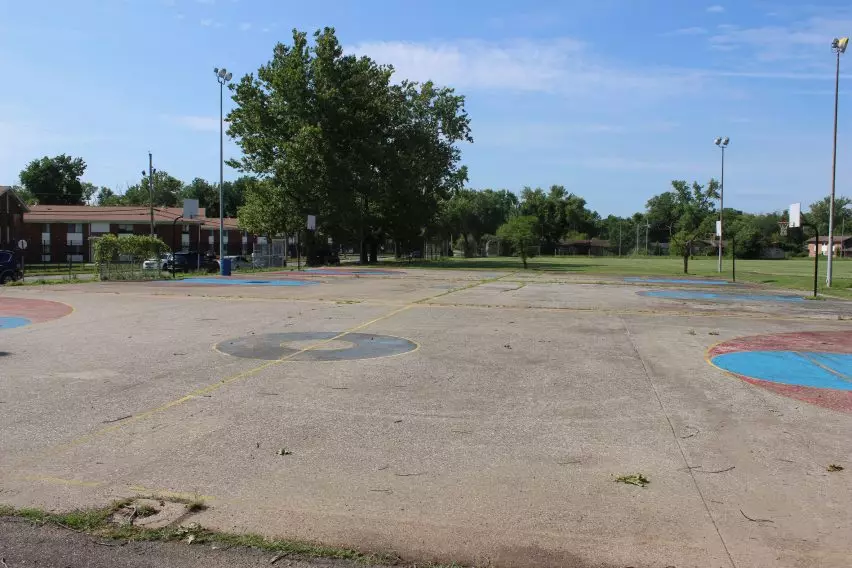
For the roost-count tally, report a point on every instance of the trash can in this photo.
(225, 266)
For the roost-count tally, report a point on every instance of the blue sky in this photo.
(612, 99)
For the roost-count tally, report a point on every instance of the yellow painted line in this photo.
(227, 380)
(834, 372)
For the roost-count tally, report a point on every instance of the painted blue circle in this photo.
(696, 295)
(10, 322)
(679, 281)
(801, 368)
(239, 282)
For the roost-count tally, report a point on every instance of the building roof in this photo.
(103, 214)
(4, 189)
(837, 239)
(231, 224)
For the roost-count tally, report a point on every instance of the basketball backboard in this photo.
(795, 215)
(190, 208)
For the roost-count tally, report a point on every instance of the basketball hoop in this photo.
(783, 225)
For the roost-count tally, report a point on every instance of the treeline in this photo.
(332, 135)
(56, 181)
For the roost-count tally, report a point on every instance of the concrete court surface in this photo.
(496, 442)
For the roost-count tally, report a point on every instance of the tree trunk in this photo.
(374, 250)
(686, 253)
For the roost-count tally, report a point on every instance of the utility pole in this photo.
(637, 239)
(619, 239)
(151, 171)
(647, 226)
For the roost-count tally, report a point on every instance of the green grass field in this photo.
(793, 274)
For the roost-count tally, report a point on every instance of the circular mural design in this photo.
(20, 312)
(814, 367)
(320, 346)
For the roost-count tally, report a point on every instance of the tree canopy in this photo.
(56, 181)
(339, 140)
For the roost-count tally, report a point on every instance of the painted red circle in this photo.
(799, 342)
(34, 310)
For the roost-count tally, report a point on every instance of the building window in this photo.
(125, 229)
(45, 229)
(185, 229)
(75, 227)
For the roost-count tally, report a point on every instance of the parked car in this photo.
(157, 263)
(10, 267)
(191, 261)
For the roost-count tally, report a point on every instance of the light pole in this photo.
(721, 143)
(838, 46)
(150, 174)
(222, 76)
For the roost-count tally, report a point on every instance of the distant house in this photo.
(12, 209)
(584, 247)
(841, 246)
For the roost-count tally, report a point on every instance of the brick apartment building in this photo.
(842, 246)
(62, 233)
(12, 210)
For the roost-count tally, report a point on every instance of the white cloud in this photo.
(563, 66)
(691, 31)
(796, 48)
(200, 123)
(715, 9)
(245, 26)
(207, 22)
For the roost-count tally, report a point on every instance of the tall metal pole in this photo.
(830, 264)
(637, 239)
(221, 178)
(647, 226)
(151, 190)
(222, 77)
(619, 240)
(721, 206)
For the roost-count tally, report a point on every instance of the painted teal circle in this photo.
(10, 322)
(240, 282)
(679, 281)
(696, 295)
(799, 368)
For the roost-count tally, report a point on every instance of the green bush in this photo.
(109, 250)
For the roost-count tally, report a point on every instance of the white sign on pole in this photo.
(22, 244)
(718, 228)
(312, 222)
(190, 208)
(795, 215)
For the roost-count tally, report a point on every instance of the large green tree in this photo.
(340, 141)
(56, 181)
(167, 191)
(819, 213)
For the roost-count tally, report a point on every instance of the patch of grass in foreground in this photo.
(98, 523)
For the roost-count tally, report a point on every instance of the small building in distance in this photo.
(841, 246)
(12, 210)
(65, 233)
(584, 247)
